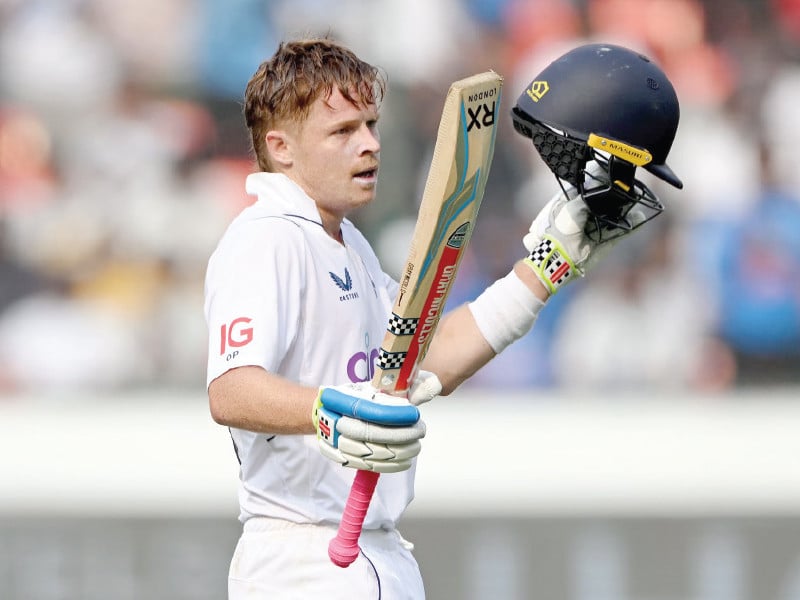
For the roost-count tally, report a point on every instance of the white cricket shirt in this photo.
(283, 295)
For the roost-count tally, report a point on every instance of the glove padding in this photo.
(362, 428)
(558, 243)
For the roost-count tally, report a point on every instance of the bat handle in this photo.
(343, 549)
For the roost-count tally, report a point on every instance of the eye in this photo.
(343, 130)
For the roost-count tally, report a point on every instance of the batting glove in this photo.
(425, 387)
(559, 246)
(362, 428)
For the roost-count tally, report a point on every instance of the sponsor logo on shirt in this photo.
(361, 366)
(234, 335)
(346, 285)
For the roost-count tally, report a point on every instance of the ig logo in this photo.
(234, 335)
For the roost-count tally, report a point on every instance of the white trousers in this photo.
(280, 560)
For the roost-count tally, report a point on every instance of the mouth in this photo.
(367, 175)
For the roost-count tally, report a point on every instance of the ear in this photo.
(279, 148)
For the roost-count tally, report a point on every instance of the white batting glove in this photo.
(559, 246)
(425, 387)
(362, 428)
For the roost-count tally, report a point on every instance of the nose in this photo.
(370, 140)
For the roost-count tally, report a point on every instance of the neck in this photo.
(332, 226)
(337, 235)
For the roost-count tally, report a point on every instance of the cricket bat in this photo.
(452, 196)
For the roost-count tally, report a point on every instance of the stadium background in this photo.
(643, 438)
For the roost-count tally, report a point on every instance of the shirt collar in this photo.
(280, 195)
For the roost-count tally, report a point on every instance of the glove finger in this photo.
(370, 432)
(426, 387)
(368, 462)
(332, 453)
(389, 467)
(571, 218)
(354, 462)
(360, 449)
(531, 240)
(546, 217)
(405, 451)
(541, 222)
(378, 452)
(351, 461)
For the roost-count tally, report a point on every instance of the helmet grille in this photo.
(608, 202)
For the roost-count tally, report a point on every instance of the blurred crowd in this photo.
(123, 155)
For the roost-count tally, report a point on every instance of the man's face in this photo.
(336, 153)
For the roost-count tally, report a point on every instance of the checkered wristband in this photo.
(551, 264)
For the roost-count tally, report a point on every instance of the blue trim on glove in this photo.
(367, 410)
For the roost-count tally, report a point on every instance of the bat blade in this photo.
(453, 193)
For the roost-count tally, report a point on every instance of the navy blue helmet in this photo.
(608, 105)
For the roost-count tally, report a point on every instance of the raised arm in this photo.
(561, 250)
(459, 349)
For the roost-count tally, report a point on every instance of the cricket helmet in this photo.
(609, 105)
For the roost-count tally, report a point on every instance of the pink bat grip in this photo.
(343, 549)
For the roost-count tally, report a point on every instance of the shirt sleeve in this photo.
(254, 285)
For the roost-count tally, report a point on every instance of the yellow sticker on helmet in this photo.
(637, 156)
(537, 90)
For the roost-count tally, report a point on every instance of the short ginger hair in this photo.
(284, 87)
